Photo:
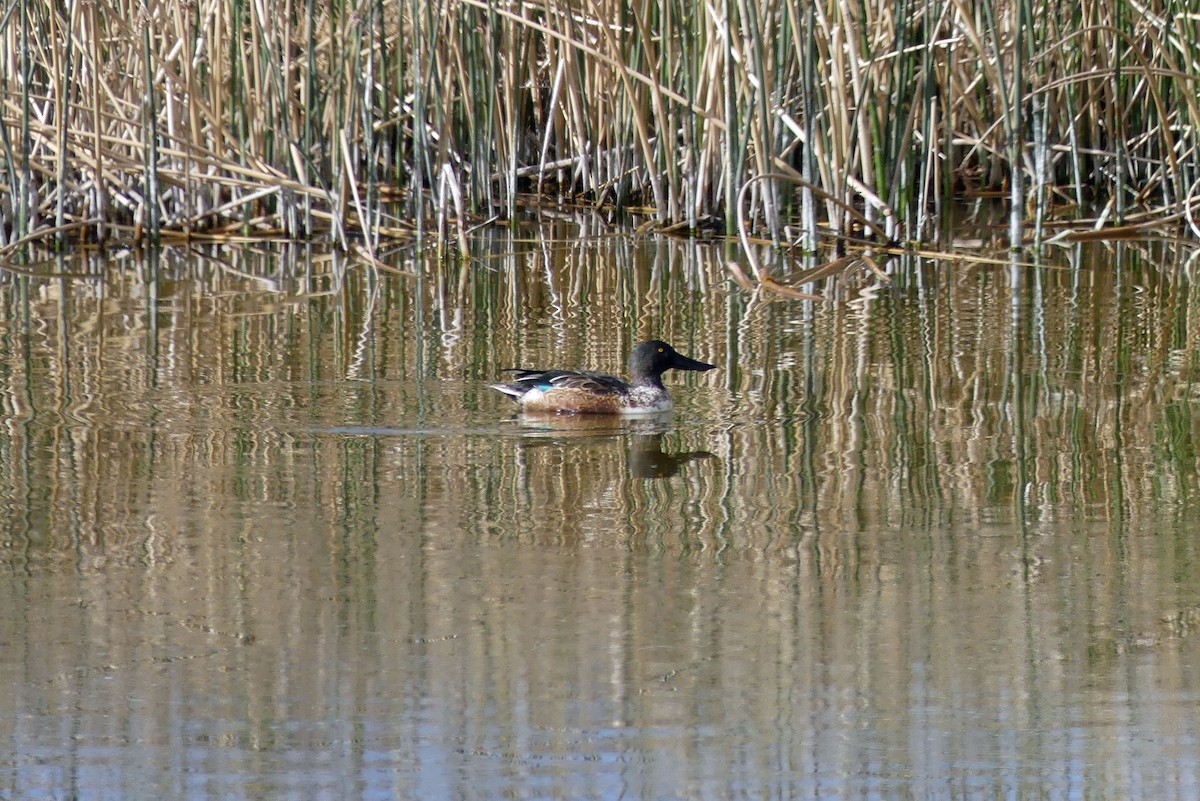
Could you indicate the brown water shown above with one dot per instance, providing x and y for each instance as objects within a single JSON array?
[{"x": 267, "y": 534}]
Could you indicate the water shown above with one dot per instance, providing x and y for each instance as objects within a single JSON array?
[{"x": 267, "y": 534}]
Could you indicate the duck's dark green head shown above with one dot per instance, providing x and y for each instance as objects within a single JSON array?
[{"x": 650, "y": 360}]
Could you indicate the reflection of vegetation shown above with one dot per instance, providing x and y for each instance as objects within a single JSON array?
[
  {"x": 297, "y": 118},
  {"x": 968, "y": 395},
  {"x": 265, "y": 529}
]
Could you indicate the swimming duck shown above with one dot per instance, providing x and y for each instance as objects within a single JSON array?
[{"x": 584, "y": 392}]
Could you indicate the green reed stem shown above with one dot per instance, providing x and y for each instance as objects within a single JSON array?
[
  {"x": 150, "y": 126},
  {"x": 25, "y": 189}
]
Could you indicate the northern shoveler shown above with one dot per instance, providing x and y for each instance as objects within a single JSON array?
[{"x": 580, "y": 392}]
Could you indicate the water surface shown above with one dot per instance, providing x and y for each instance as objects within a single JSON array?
[{"x": 267, "y": 534}]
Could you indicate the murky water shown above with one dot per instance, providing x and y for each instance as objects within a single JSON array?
[{"x": 267, "y": 534}]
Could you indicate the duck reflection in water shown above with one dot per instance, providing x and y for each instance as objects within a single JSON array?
[
  {"x": 647, "y": 459},
  {"x": 645, "y": 435}
]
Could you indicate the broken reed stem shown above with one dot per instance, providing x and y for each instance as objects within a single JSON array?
[{"x": 185, "y": 115}]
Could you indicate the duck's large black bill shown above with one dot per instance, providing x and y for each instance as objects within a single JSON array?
[{"x": 681, "y": 362}]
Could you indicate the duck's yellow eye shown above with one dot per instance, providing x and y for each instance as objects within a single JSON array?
[{"x": 660, "y": 350}]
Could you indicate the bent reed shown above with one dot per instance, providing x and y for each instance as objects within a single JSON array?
[{"x": 394, "y": 118}]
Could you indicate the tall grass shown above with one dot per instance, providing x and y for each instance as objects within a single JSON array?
[{"x": 297, "y": 118}]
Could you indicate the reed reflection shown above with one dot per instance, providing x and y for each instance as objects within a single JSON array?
[{"x": 935, "y": 541}]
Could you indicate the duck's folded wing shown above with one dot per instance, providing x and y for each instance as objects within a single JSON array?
[{"x": 594, "y": 383}]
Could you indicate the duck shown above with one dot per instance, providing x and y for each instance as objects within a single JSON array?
[{"x": 586, "y": 392}]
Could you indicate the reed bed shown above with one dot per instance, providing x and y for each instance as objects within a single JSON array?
[{"x": 405, "y": 118}]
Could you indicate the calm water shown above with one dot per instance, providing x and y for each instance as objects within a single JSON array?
[{"x": 267, "y": 535}]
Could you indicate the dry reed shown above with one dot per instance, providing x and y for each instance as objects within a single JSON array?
[{"x": 397, "y": 117}]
